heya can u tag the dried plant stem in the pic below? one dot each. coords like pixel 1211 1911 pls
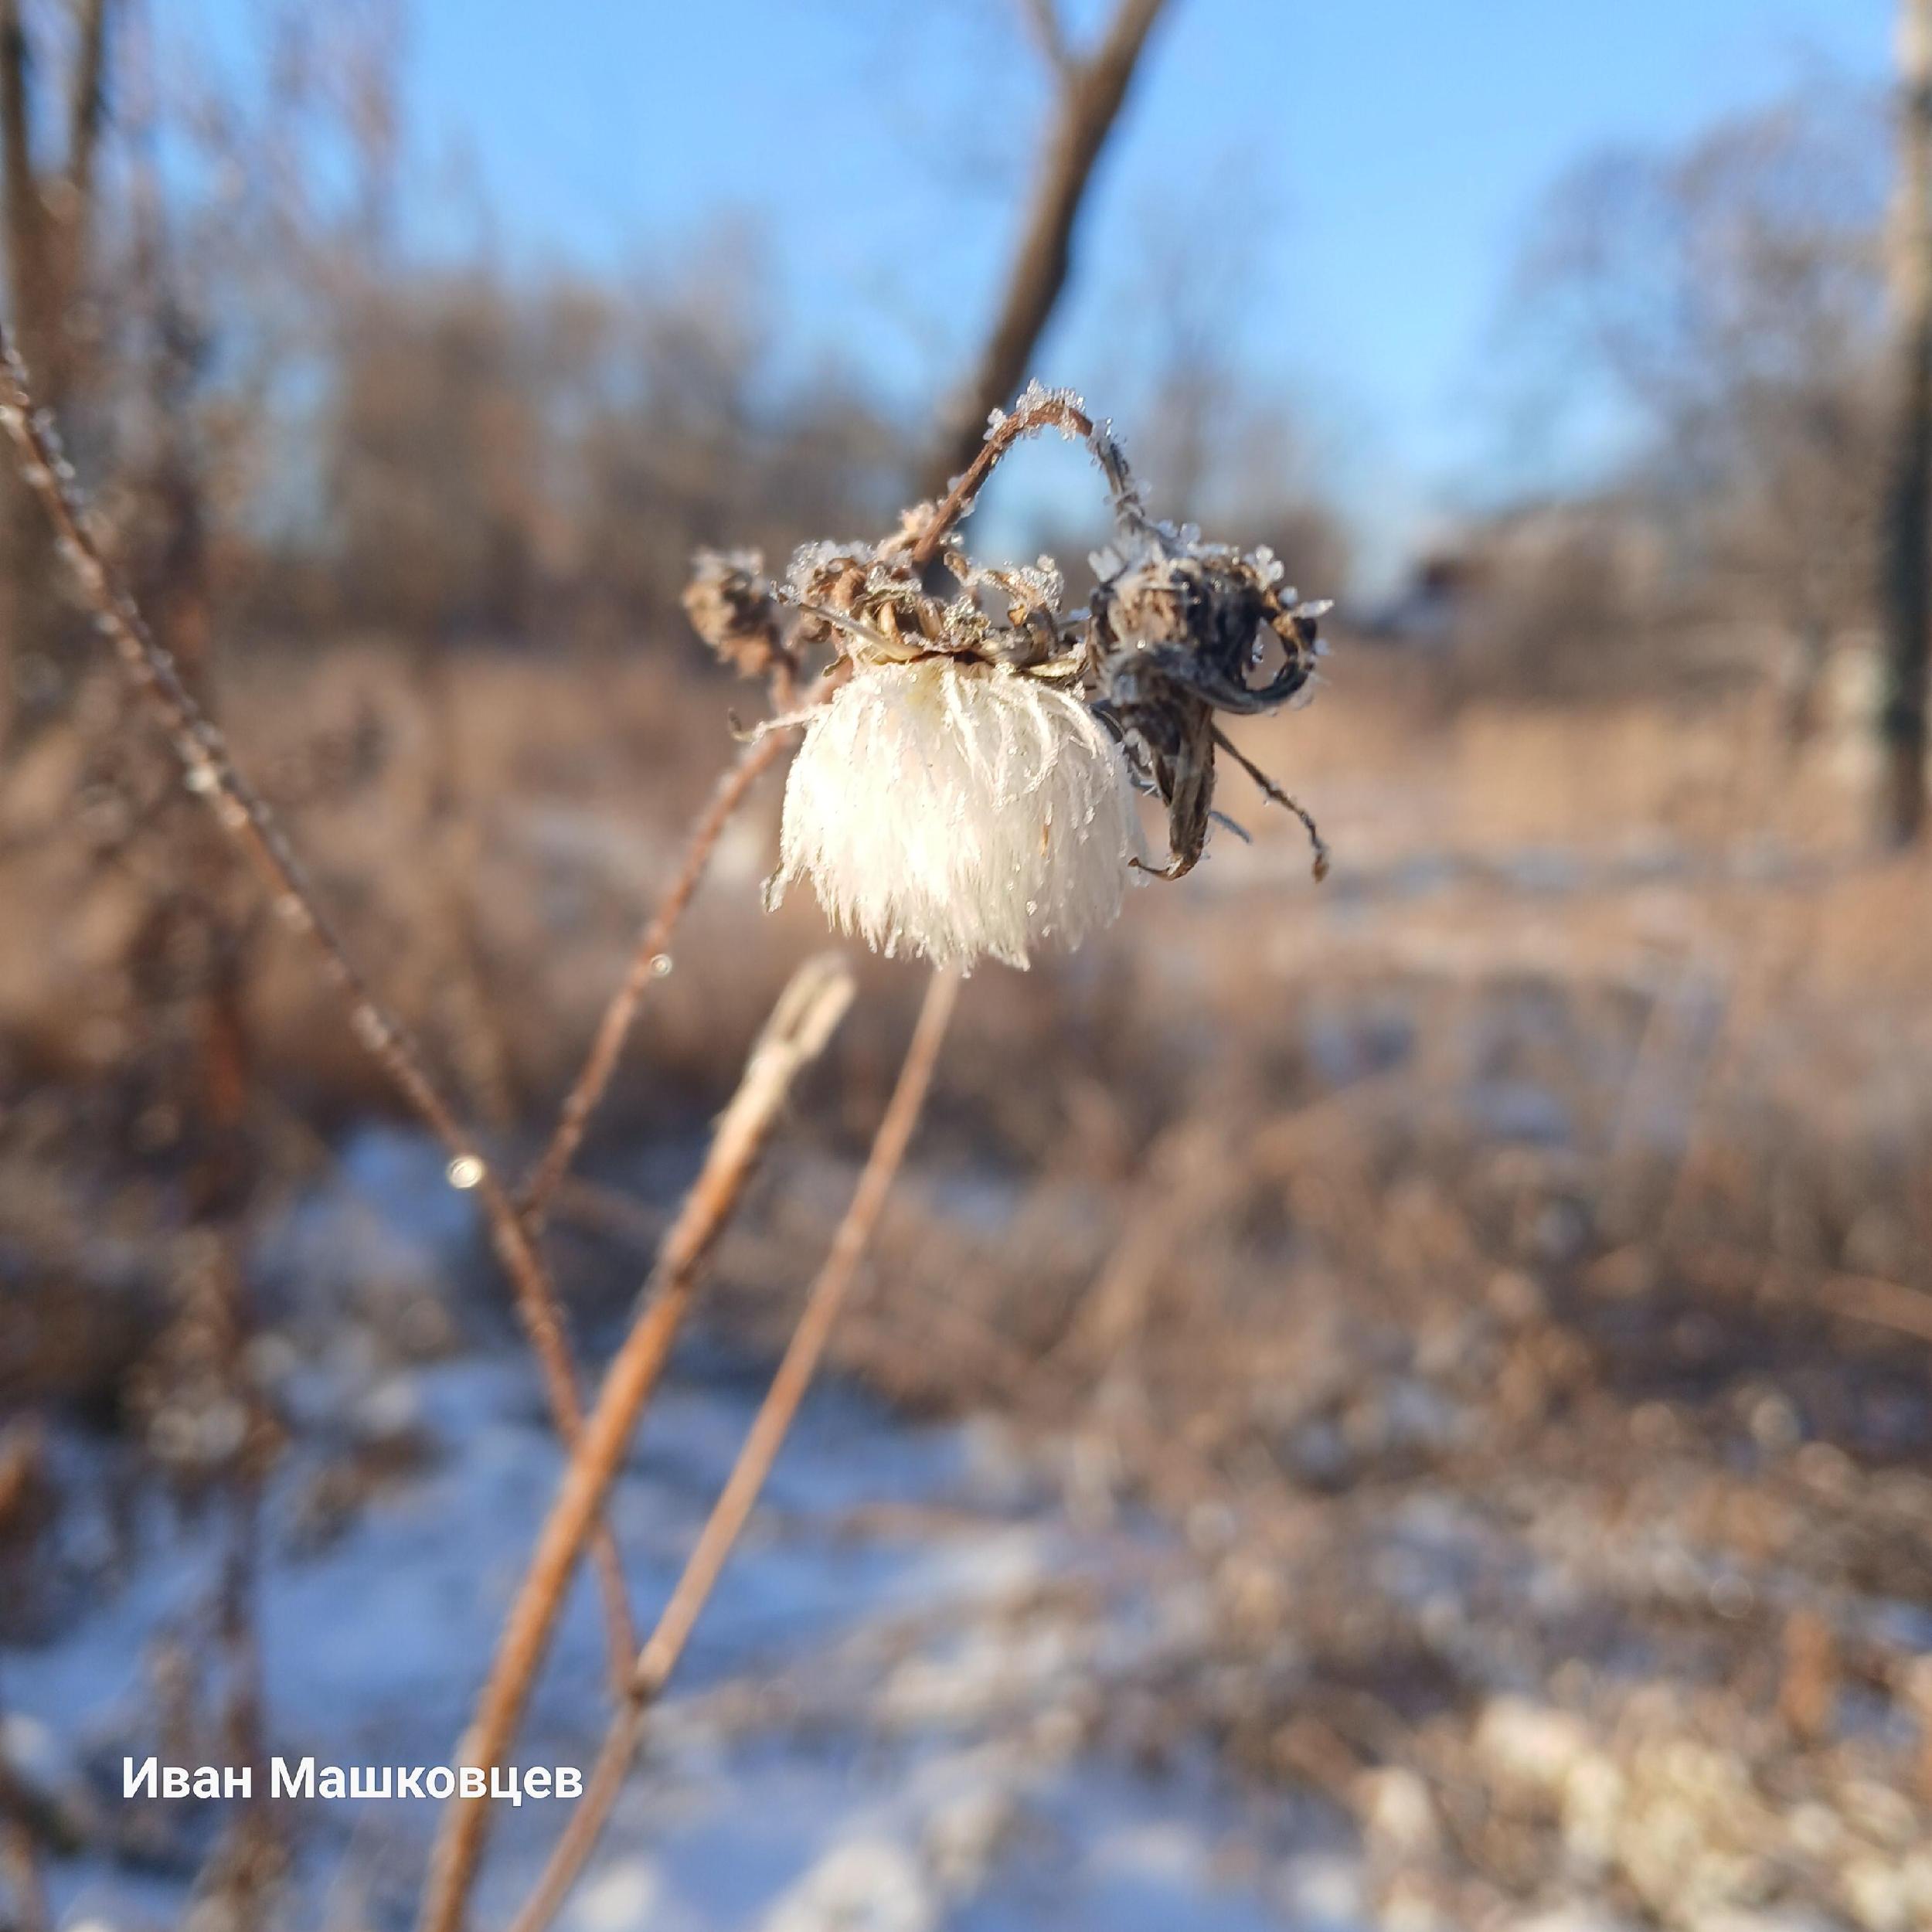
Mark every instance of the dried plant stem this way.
pixel 572 1851
pixel 1274 793
pixel 613 1029
pixel 212 774
pixel 666 1644
pixel 1885 1305
pixel 253 1859
pixel 1054 412
pixel 802 1022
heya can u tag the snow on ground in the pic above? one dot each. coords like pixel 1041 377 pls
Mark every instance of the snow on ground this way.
pixel 885 1723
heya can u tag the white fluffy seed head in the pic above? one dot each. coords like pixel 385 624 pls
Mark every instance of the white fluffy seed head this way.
pixel 957 809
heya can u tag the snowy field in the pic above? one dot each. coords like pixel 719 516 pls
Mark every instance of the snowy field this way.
pixel 892 1717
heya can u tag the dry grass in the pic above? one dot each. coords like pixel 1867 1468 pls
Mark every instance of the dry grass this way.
pixel 1559 1166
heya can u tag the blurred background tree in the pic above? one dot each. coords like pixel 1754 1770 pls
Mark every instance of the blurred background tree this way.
pixel 1908 502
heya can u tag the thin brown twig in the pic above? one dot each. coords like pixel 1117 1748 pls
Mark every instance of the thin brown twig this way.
pixel 1055 412
pixel 1274 794
pixel 588 1090
pixel 213 775
pixel 578 1838
pixel 1885 1305
pixel 802 1022
pixel 665 1645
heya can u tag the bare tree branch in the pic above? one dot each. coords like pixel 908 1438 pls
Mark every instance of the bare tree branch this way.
pixel 1907 583
pixel 47 224
pixel 87 113
pixel 1090 100
pixel 25 215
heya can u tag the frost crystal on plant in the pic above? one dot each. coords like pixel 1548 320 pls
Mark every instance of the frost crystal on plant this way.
pixel 966 784
pixel 957 809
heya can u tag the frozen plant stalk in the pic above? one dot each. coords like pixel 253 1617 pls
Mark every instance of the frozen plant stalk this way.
pixel 965 788
pixel 958 808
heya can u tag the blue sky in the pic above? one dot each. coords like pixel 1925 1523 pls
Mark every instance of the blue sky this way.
pixel 1355 172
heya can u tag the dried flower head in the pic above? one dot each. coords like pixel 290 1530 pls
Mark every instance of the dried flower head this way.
pixel 965 788
pixel 1176 627
pixel 733 609
pixel 957 809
